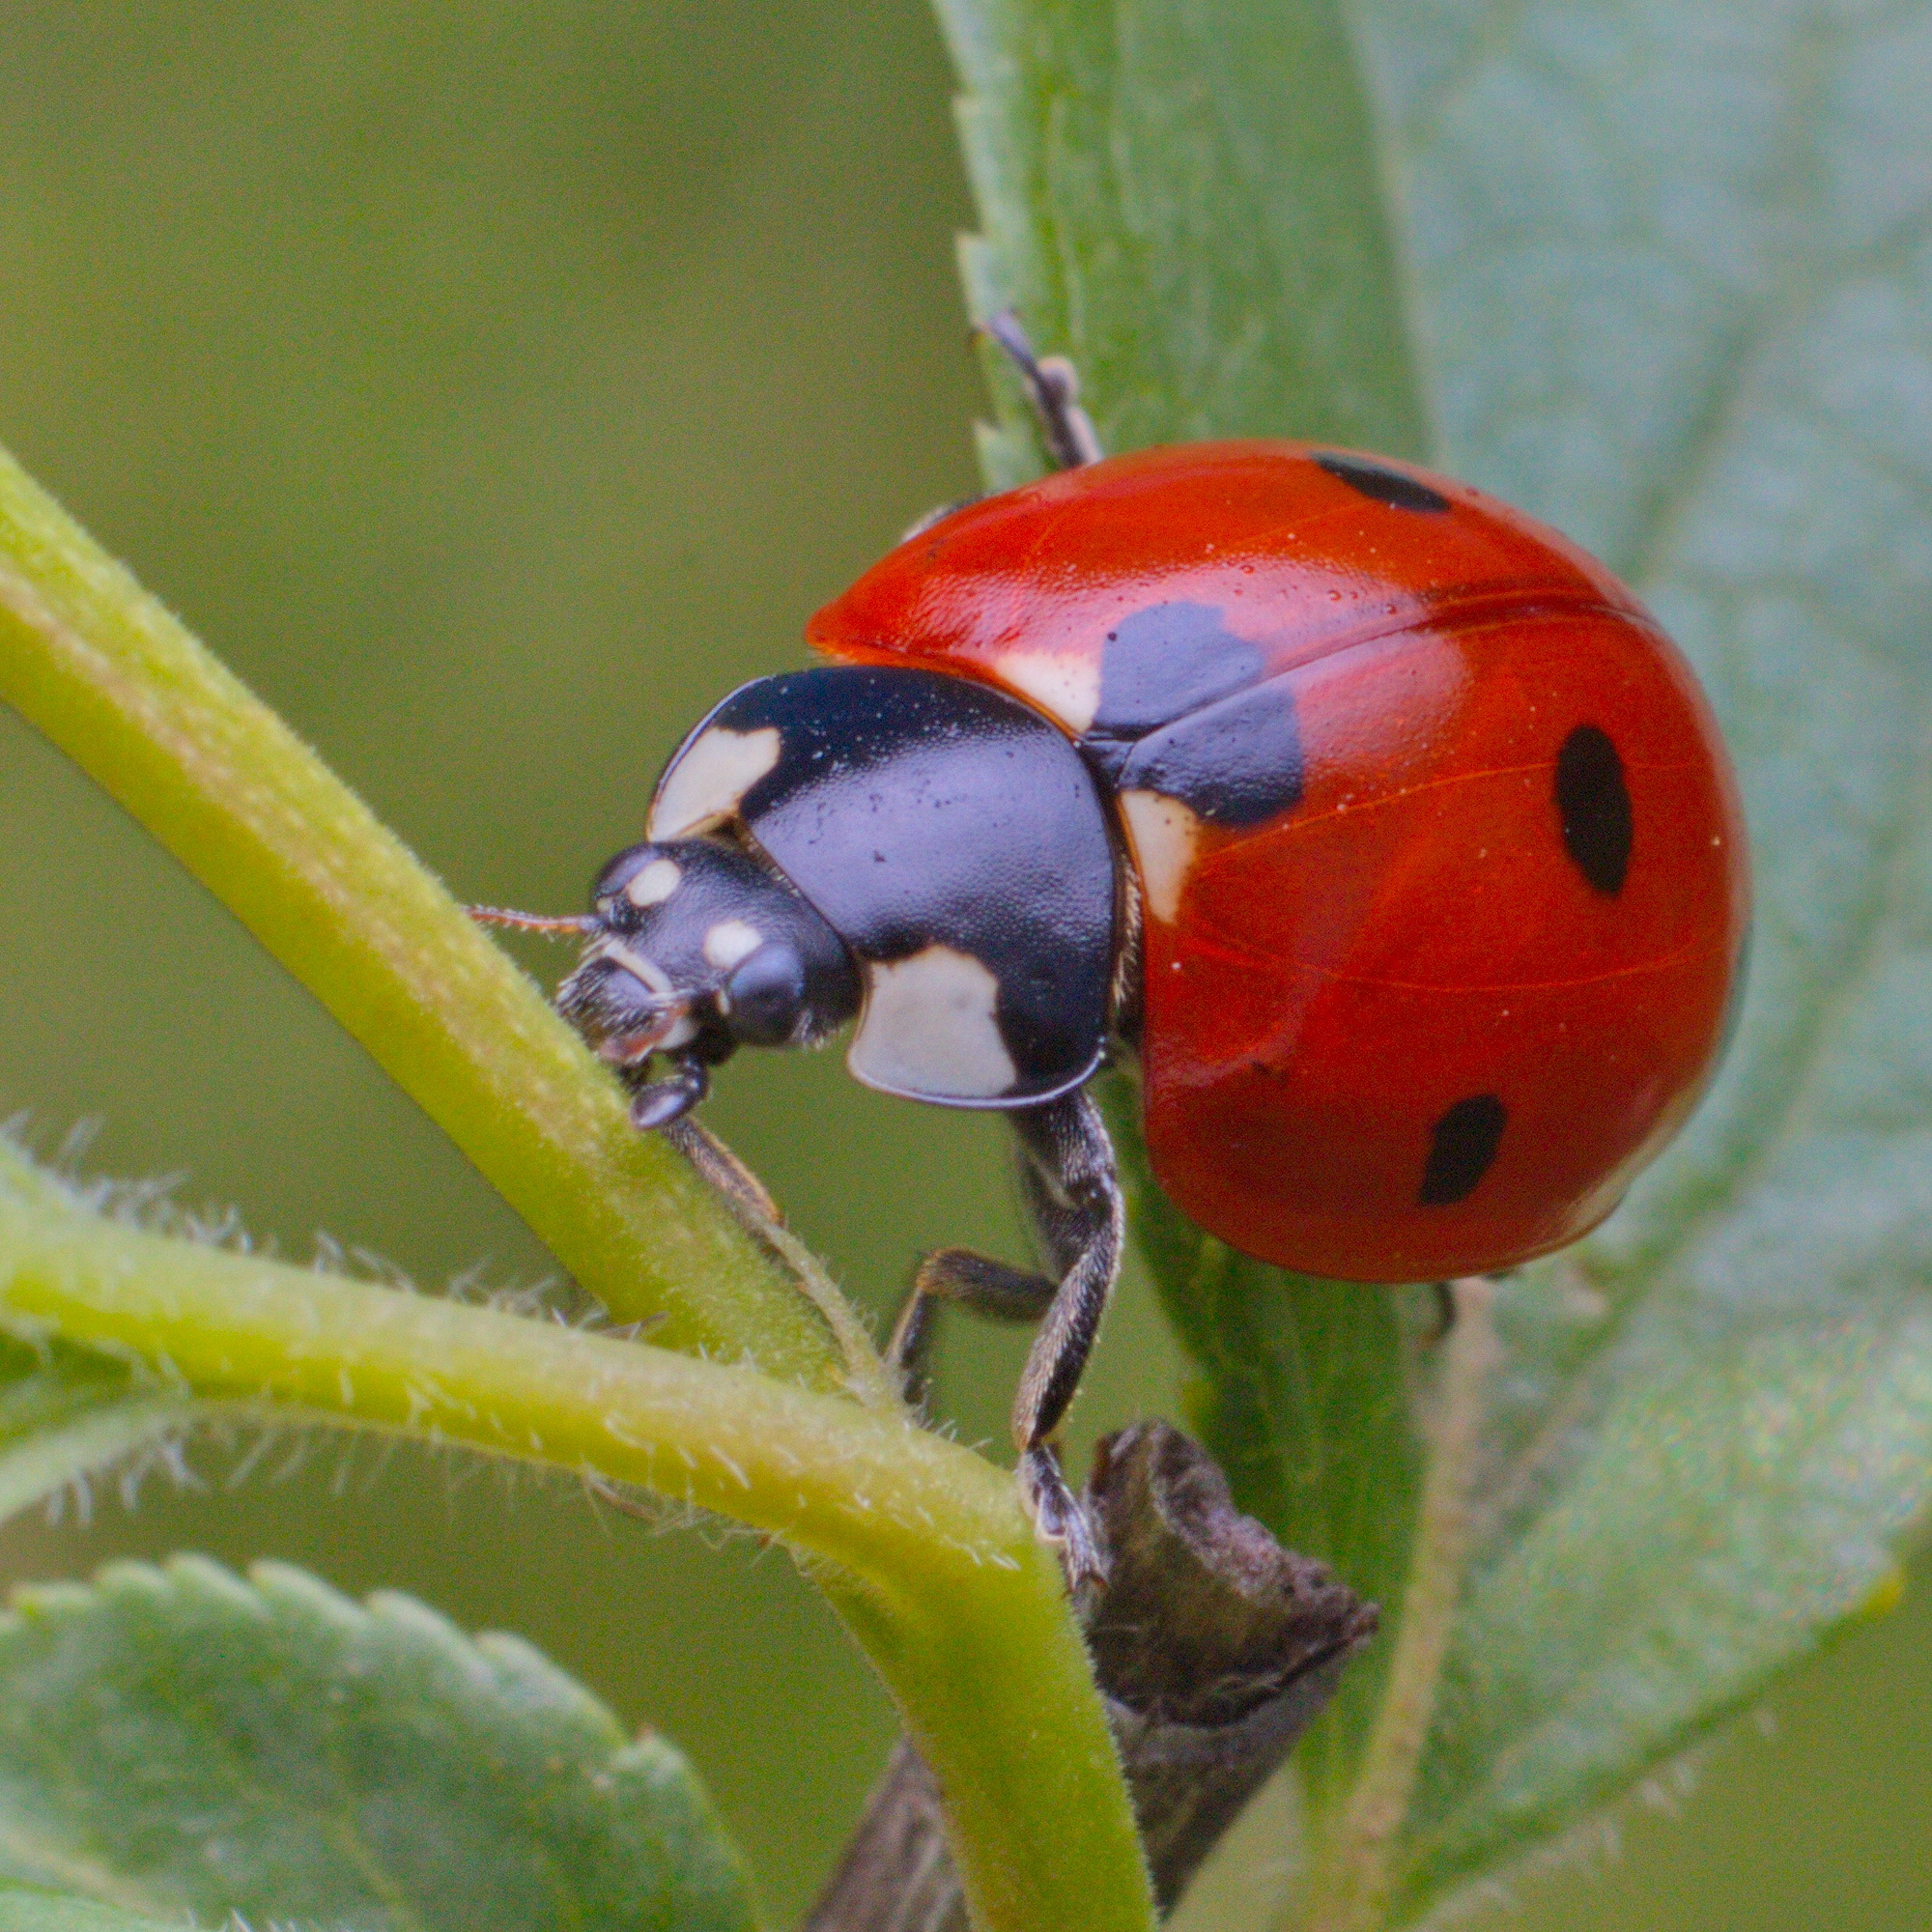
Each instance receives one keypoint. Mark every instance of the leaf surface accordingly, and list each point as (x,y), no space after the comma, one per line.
(1182,191)
(1669,273)
(25,1909)
(181,1742)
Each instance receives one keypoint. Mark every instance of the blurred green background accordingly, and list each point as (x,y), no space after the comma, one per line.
(495,386)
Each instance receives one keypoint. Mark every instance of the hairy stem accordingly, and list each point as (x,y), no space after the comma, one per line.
(936,1565)
(937,1573)
(124,688)
(1354,1875)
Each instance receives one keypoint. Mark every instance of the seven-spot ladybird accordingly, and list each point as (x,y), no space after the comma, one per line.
(1379,827)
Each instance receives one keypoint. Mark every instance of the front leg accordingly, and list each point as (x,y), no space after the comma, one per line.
(1073,1199)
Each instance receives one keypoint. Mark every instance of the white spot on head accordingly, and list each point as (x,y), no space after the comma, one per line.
(730,941)
(705,783)
(1163,834)
(654,883)
(929,1031)
(1064,685)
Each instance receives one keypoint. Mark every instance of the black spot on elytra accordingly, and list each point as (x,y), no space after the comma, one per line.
(1164,662)
(1594,807)
(1237,762)
(1461,1145)
(1383,485)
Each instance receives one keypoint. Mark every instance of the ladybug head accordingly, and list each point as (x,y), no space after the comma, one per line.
(694,950)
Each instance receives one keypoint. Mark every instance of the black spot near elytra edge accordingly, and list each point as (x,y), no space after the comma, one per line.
(1461,1145)
(1237,762)
(1166,660)
(1383,485)
(1594,807)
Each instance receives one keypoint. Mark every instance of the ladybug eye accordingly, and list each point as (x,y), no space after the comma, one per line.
(765,999)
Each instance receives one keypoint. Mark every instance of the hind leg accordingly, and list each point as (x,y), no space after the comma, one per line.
(1073,1196)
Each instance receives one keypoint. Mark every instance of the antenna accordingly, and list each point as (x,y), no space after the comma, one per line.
(532,921)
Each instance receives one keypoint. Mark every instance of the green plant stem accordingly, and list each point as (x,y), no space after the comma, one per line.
(938,1575)
(937,1567)
(1354,1876)
(124,688)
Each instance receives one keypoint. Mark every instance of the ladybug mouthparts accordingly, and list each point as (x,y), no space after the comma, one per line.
(625,1006)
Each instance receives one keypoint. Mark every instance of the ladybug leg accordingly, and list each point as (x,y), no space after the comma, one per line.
(1053,388)
(721,1169)
(975,1281)
(938,514)
(1074,1197)
(657,1103)
(1075,1191)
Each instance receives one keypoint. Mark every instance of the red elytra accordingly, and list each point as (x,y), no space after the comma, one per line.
(1433,1017)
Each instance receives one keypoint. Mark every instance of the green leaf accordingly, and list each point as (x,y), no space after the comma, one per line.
(1183,192)
(1670,275)
(179,1741)
(24,1909)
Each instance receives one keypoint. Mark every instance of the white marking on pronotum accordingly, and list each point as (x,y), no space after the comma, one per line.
(1065,686)
(730,941)
(928,1030)
(654,883)
(1163,832)
(703,787)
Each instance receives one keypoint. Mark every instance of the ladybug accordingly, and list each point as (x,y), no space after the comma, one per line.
(1381,831)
